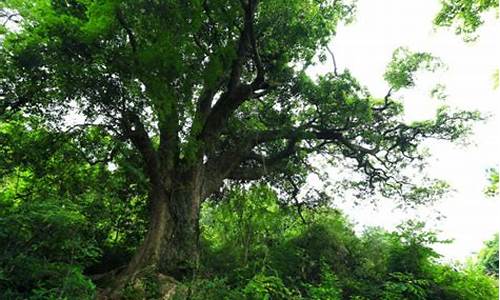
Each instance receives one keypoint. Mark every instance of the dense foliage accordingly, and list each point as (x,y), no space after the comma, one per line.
(465,16)
(488,257)
(192,117)
(61,212)
(277,252)
(253,247)
(209,93)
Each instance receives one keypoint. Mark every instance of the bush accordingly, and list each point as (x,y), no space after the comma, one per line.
(266,287)
(324,258)
(207,289)
(44,248)
(488,257)
(458,283)
(327,289)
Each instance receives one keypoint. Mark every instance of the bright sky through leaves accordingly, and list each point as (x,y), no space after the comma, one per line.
(365,47)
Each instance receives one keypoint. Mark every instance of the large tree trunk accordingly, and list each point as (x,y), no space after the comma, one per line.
(171,244)
(179,252)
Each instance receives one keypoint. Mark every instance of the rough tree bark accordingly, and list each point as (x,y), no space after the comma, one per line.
(171,244)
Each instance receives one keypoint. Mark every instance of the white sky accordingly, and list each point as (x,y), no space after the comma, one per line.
(365,47)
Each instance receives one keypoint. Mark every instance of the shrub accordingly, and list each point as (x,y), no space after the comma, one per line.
(44,248)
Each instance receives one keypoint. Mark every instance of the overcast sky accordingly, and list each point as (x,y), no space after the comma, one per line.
(365,47)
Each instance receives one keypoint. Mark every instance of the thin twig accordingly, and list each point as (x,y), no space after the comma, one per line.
(333,60)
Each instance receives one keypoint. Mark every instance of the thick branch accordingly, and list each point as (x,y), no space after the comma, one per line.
(130,34)
(135,131)
(165,107)
(267,164)
(237,93)
(243,45)
(9,16)
(227,165)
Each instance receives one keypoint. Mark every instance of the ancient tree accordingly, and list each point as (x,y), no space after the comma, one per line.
(209,92)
